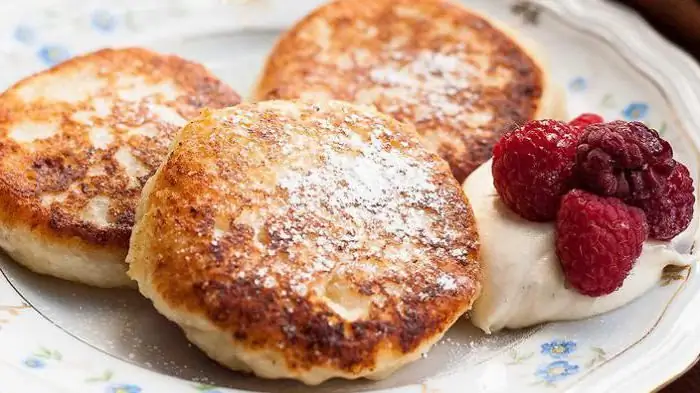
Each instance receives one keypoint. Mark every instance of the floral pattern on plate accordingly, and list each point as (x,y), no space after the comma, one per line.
(104,21)
(635,111)
(542,359)
(557,360)
(558,348)
(9,312)
(123,388)
(53,54)
(556,371)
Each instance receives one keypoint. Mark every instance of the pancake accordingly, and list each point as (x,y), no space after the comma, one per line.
(461,78)
(78,142)
(306,241)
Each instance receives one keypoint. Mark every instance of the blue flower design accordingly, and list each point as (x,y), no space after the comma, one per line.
(635,111)
(558,348)
(123,388)
(34,363)
(24,34)
(103,21)
(578,84)
(53,54)
(556,371)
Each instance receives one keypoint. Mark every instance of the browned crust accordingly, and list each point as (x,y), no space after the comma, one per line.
(301,64)
(231,165)
(55,164)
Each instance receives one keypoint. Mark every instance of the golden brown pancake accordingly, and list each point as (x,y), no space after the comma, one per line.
(306,241)
(459,77)
(78,142)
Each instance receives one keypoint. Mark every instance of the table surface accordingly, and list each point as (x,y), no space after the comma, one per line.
(679,21)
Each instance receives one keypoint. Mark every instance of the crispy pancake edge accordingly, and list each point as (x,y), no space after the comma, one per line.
(544,104)
(19,207)
(182,302)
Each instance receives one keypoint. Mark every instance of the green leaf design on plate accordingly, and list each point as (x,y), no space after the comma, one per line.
(529,11)
(12,311)
(600,356)
(672,273)
(43,353)
(105,377)
(662,128)
(48,354)
(607,101)
(203,387)
(130,21)
(517,358)
(548,384)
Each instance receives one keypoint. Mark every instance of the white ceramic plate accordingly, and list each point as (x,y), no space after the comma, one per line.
(60,337)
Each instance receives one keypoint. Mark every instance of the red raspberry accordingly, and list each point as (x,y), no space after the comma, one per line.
(626,160)
(598,240)
(586,119)
(670,210)
(532,167)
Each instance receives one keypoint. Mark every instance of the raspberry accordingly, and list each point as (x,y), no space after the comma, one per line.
(598,240)
(669,211)
(626,160)
(532,167)
(586,119)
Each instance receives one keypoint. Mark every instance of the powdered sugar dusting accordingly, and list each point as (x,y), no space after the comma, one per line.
(365,186)
(429,83)
(339,204)
(360,204)
(371,190)
(446,282)
(458,78)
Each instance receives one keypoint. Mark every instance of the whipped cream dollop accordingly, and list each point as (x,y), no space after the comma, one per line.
(523,281)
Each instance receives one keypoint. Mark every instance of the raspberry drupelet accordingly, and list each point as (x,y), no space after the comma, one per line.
(631,161)
(670,211)
(627,160)
(532,167)
(585,119)
(598,240)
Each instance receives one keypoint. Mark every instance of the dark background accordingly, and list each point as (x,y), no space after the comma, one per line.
(679,21)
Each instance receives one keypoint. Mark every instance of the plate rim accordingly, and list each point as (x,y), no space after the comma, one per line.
(657,59)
